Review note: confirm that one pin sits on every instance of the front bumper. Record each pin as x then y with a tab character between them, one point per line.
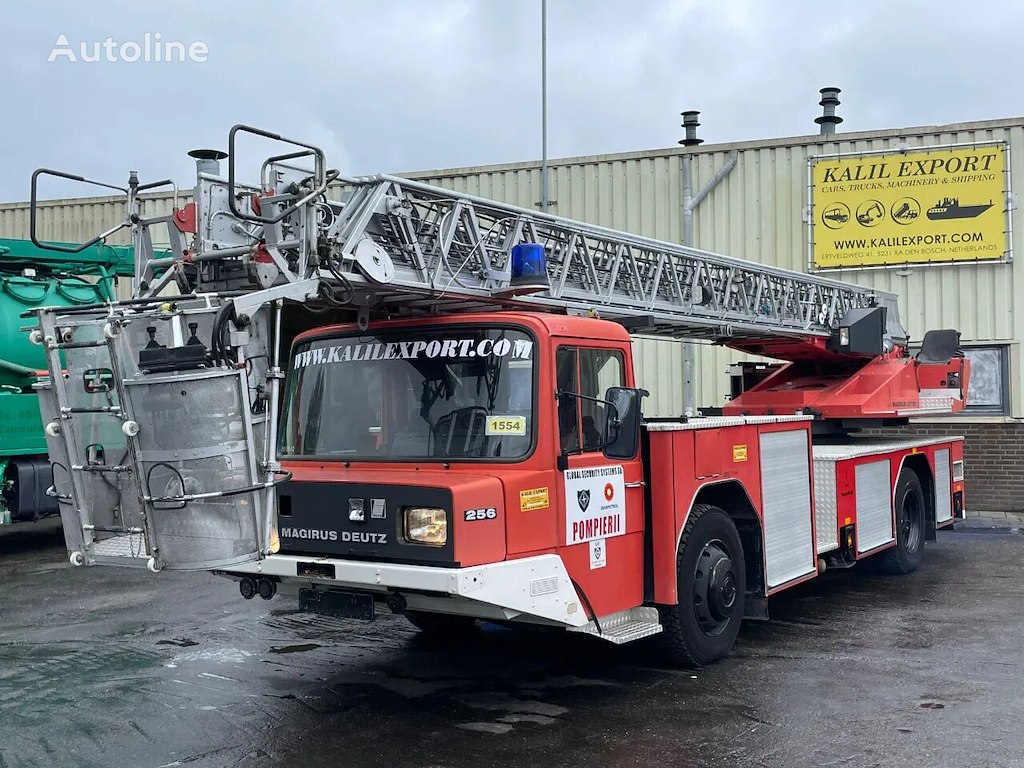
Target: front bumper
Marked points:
532	588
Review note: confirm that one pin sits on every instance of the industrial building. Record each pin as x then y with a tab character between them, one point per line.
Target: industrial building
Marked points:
855	204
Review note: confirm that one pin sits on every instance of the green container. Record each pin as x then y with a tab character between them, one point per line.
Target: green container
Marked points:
21	428
20	358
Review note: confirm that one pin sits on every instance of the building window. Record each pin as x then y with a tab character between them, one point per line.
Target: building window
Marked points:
988	391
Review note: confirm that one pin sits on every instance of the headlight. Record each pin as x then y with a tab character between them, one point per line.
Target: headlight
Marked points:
425	525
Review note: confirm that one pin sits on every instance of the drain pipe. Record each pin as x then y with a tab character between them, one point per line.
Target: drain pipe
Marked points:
689	204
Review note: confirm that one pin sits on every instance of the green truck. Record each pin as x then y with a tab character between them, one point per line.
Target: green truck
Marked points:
32	277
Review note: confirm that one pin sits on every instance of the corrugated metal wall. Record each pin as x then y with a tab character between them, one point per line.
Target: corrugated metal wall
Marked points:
77	220
756	213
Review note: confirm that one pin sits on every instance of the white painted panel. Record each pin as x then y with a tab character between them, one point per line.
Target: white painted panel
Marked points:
874	504
786	506
943	487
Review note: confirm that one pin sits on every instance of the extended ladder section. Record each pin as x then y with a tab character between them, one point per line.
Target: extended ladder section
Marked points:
394	245
161	410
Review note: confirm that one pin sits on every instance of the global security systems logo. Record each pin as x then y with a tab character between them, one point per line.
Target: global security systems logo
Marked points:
583	497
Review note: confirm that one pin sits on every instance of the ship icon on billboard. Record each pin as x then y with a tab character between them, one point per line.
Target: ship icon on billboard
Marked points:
950	208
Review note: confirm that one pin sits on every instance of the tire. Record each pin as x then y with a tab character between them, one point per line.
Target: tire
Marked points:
911	518
441	624
702	626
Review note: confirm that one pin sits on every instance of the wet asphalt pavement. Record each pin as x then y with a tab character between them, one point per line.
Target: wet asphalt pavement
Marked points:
103	667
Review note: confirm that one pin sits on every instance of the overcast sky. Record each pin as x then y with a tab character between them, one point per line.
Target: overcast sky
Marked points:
401	85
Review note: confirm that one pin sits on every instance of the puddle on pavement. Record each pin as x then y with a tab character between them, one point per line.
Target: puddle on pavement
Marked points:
298	648
38	680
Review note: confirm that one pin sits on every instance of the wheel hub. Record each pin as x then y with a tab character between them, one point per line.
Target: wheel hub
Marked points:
912	522
722	589
714	588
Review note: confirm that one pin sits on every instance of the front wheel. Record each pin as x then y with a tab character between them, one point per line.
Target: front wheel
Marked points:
906	556
711	580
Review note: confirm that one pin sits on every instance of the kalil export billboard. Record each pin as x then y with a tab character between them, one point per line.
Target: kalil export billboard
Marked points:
938	205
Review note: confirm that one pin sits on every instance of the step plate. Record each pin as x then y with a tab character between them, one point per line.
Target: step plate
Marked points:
130	546
624	626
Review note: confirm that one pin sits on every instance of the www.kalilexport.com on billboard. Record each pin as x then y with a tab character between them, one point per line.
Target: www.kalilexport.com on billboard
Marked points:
940	205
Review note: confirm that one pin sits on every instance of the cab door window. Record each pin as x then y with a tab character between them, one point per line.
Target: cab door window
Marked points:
588	372
567	380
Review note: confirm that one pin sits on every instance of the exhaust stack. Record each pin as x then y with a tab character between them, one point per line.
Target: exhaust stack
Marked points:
690	123
208	160
829	119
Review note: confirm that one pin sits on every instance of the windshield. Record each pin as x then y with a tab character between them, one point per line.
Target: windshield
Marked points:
445	393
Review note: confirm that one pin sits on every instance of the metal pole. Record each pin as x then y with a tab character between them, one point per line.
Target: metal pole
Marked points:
544	105
690	203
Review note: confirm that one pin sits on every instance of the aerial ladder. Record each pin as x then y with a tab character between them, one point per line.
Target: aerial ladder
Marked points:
163	413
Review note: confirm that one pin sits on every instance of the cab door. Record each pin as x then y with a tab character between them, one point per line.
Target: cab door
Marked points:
601	500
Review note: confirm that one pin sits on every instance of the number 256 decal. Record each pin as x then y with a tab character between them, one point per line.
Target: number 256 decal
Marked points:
481	514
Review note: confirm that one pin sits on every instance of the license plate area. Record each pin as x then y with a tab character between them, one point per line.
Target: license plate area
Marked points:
323	570
341	605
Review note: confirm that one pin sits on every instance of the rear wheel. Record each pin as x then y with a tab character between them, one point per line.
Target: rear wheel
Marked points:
441	624
711	581
906	556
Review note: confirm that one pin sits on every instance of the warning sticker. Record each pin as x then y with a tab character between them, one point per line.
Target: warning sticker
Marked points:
595	503
533	498
739	453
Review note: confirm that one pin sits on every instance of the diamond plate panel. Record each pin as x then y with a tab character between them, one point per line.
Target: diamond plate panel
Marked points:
718	422
131	545
826	512
624	626
870	446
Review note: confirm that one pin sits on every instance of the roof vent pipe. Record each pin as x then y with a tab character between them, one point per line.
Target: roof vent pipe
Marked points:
208	160
829	119
690	123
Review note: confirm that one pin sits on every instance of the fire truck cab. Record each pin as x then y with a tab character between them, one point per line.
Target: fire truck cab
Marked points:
496	466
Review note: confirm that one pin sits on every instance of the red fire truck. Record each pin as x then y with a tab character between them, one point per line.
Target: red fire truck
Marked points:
460	435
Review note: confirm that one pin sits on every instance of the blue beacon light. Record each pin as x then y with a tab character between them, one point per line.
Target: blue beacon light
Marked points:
529	268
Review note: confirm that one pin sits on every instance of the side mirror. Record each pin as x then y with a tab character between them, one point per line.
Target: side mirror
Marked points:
622	422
